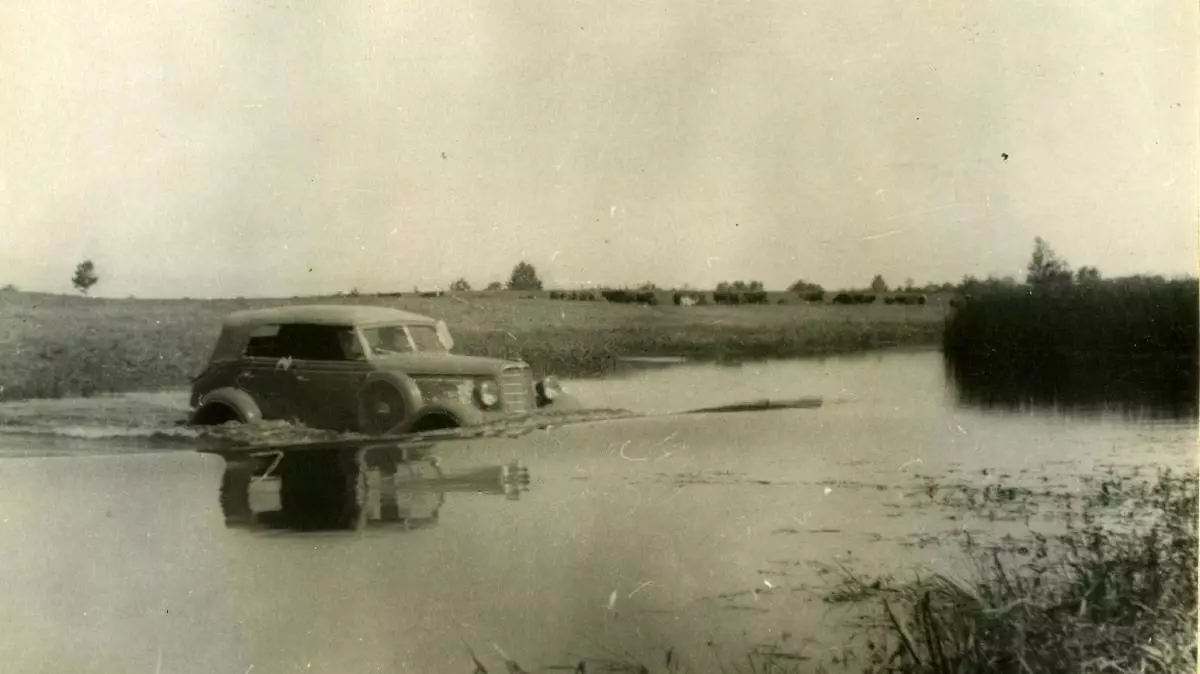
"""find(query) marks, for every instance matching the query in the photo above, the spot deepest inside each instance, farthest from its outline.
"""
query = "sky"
(205, 148)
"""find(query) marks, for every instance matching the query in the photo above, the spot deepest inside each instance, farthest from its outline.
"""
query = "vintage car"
(367, 369)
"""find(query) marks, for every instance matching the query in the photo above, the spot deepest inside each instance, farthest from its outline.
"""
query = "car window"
(263, 342)
(388, 339)
(317, 342)
(425, 337)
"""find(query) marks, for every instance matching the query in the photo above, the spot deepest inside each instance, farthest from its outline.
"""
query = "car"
(365, 369)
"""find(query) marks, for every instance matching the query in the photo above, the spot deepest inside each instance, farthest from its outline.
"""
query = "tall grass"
(1096, 599)
(1129, 342)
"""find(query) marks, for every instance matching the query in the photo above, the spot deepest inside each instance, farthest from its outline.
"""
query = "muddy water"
(630, 536)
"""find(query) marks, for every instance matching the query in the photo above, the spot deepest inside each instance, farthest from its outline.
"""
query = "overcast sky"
(207, 148)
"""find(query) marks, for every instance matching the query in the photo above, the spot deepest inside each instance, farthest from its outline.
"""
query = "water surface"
(634, 535)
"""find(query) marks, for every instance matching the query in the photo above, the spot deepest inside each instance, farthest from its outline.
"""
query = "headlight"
(548, 389)
(487, 393)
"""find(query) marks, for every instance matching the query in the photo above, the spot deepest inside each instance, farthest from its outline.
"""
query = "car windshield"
(425, 337)
(392, 339)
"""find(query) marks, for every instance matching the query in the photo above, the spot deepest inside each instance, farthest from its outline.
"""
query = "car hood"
(442, 363)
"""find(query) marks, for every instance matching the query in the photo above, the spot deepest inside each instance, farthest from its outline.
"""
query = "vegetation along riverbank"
(1115, 591)
(55, 345)
(1133, 339)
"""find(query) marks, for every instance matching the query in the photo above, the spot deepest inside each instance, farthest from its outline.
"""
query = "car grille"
(516, 389)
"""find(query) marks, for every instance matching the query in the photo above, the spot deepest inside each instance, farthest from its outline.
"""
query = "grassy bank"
(1129, 340)
(1115, 596)
(55, 346)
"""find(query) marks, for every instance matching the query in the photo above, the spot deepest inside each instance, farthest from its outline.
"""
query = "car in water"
(365, 369)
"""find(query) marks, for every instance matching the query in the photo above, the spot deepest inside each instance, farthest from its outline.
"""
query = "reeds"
(1095, 599)
(1130, 343)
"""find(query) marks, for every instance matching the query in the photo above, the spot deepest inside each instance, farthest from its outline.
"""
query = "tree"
(1045, 267)
(878, 285)
(524, 277)
(802, 286)
(460, 286)
(756, 286)
(85, 276)
(1087, 274)
(495, 285)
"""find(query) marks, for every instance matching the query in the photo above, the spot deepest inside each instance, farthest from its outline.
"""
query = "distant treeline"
(728, 296)
(725, 294)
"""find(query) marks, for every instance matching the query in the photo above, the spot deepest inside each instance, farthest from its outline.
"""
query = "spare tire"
(387, 404)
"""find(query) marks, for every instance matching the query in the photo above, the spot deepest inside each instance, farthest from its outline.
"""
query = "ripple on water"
(156, 420)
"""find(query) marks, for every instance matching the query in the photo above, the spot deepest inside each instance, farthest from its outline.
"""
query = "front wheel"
(383, 409)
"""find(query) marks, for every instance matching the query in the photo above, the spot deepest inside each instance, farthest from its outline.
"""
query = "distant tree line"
(1045, 270)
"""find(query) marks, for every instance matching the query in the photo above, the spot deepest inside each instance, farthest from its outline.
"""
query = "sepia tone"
(646, 337)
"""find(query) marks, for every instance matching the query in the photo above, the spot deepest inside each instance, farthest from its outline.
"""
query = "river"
(702, 533)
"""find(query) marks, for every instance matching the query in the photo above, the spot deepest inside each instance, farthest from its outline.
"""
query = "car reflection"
(350, 488)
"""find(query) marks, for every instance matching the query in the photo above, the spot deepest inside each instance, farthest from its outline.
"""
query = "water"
(636, 535)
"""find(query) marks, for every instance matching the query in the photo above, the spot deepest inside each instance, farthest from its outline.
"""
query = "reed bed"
(1134, 341)
(1116, 592)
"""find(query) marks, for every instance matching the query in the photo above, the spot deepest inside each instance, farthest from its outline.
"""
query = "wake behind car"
(372, 370)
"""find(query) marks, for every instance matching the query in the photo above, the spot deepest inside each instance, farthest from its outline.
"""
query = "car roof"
(323, 314)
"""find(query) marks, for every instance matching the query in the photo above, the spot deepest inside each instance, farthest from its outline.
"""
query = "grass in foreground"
(53, 346)
(1096, 599)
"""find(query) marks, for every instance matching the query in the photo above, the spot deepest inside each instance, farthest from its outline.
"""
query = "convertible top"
(323, 314)
(239, 325)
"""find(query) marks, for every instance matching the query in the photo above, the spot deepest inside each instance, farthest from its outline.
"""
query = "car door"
(258, 372)
(324, 375)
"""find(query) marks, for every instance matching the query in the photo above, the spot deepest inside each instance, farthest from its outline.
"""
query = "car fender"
(409, 392)
(463, 415)
(239, 401)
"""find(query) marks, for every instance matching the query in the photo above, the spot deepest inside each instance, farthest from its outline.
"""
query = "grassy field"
(55, 345)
